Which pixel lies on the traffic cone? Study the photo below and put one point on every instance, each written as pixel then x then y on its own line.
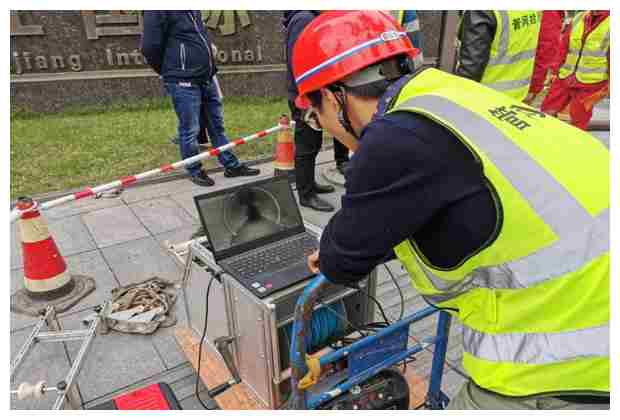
pixel 284 155
pixel 46 279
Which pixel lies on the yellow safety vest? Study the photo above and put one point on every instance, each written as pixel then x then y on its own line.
pixel 588 60
pixel 534 300
pixel 513 50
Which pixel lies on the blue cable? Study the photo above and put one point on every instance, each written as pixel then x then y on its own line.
pixel 326 322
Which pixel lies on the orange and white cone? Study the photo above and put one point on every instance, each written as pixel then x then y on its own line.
pixel 46 278
pixel 284 156
pixel 45 269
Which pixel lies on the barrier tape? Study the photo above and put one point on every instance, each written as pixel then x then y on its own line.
pixel 128 180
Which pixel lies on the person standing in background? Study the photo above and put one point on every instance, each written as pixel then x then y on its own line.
pixel 308 141
pixel 410 22
pixel 583 78
pixel 547 56
pixel 176 45
pixel 497 49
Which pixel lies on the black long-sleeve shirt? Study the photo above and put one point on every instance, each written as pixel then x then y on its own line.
pixel 294 23
pixel 410 178
pixel 476 34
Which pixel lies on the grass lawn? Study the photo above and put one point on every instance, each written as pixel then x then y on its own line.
pixel 95 145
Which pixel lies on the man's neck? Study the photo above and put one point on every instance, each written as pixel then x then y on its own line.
pixel 367 110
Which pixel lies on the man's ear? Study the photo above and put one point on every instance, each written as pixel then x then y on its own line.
pixel 330 99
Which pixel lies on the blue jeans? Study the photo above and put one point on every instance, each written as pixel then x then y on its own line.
pixel 187 101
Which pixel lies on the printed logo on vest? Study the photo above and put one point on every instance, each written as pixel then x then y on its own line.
pixel 513 112
pixel 524 21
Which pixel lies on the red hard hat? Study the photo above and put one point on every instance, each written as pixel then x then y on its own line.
pixel 337 44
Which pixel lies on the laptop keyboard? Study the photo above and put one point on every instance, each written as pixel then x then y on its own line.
pixel 286 253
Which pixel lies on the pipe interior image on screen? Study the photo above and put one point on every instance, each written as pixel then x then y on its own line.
pixel 250 213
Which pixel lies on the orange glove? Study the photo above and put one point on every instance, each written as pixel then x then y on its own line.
pixel 595 98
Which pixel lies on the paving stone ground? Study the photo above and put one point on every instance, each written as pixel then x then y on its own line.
pixel 120 241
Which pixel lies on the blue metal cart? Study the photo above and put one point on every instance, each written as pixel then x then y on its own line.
pixel 366 357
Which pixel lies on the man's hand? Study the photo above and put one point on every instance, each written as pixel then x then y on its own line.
pixel 529 98
pixel 313 262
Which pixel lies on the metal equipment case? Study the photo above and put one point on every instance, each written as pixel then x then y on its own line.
pixel 261 344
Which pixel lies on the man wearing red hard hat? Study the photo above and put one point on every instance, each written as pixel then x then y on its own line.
pixel 476 195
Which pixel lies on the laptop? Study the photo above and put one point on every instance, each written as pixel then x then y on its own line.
pixel 256 234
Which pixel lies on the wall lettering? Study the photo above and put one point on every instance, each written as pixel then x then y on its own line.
pixel 107 25
pixel 228 27
pixel 18 29
pixel 115 23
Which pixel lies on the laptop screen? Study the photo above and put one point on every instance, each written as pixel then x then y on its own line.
pixel 248 216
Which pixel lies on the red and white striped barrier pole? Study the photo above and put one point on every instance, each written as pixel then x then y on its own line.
pixel 128 180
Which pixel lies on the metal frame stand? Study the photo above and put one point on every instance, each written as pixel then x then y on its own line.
pixel 187 269
pixel 435 398
pixel 68 391
pixel 184 256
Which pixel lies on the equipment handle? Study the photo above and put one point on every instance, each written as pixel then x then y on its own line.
pixel 221 344
pixel 301 324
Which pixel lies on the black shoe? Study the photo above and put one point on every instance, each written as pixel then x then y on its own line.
pixel 240 170
pixel 342 167
pixel 323 189
pixel 202 179
pixel 316 203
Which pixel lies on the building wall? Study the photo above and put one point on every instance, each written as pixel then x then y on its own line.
pixel 69 58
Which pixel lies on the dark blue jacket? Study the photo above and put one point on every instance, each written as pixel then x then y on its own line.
pixel 294 23
pixel 177 46
pixel 410 178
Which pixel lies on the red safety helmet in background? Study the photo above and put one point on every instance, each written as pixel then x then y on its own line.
pixel 337 44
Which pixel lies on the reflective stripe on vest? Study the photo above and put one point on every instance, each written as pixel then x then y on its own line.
pixel 588 60
pixel 511 61
pixel 562 257
pixel 537 348
pixel 534 302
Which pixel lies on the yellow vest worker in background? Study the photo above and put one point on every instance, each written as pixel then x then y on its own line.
pixel 478 197
pixel 498 47
pixel 583 78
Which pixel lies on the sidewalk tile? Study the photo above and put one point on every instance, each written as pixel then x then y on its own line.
pixel 115 360
pixel 178 235
pixel 86 205
pixel 171 377
pixel 186 386
pixel 161 215
pixel 114 225
pixel 186 201
pixel 44 362
pixel 19 321
pixel 16 247
pixel 71 236
pixel 164 340
pixel 150 191
pixel 138 260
